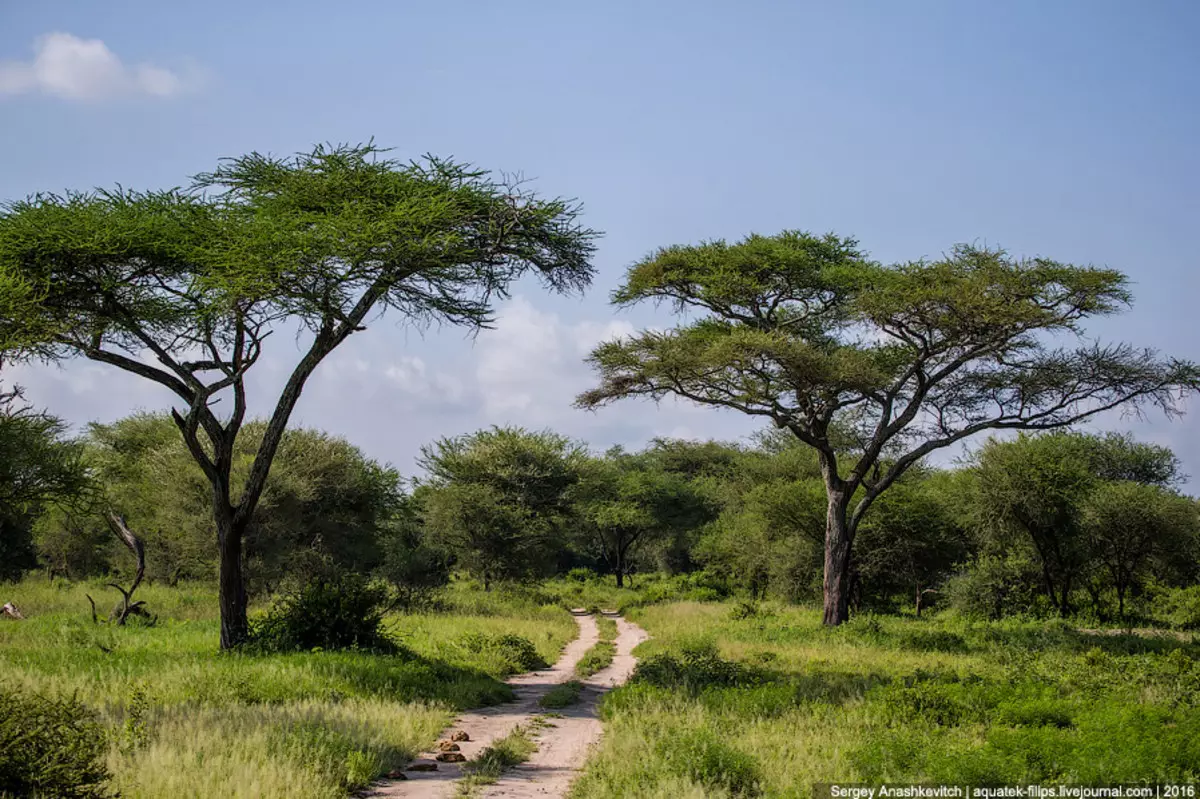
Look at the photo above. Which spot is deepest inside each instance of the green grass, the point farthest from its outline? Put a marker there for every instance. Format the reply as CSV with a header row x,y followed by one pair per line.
x,y
512,749
600,656
768,705
563,695
297,725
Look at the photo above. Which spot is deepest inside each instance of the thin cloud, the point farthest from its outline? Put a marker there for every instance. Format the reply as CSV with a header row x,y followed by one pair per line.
x,y
66,66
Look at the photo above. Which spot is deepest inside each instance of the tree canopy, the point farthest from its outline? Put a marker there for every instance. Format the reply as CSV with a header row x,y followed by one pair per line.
x,y
198,279
877,366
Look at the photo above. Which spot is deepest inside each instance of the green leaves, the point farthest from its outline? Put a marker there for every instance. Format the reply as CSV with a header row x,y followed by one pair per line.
x,y
805,331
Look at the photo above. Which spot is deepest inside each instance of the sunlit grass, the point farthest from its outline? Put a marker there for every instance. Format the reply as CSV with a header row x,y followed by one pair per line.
x,y
904,700
237,725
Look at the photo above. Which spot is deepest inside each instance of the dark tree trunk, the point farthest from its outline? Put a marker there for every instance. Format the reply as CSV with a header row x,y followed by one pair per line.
x,y
235,626
620,577
837,560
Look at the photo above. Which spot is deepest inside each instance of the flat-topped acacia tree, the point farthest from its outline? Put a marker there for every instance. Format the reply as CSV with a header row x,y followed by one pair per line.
x,y
877,366
182,287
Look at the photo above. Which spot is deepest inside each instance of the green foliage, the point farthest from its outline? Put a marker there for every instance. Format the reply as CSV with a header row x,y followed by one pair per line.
x,y
599,657
1180,607
333,612
39,466
408,562
875,367
628,503
324,498
323,241
51,748
704,757
563,695
697,666
518,652
509,751
498,501
1090,512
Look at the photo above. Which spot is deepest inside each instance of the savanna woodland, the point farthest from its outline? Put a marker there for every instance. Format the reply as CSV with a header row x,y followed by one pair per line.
x,y
206,603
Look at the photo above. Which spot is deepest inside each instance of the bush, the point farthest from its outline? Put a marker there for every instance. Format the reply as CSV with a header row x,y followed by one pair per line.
x,y
562,695
329,612
698,666
703,757
580,574
1180,608
596,659
51,748
517,650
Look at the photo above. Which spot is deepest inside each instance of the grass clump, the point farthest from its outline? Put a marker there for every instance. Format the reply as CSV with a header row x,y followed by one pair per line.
x,y
563,695
51,747
600,656
332,612
492,762
516,652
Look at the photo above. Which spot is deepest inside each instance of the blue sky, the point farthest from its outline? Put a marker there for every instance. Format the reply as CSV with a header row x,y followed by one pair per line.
x,y
1055,128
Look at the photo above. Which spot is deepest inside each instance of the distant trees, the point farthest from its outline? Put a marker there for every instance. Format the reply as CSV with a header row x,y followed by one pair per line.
x,y
39,465
627,502
499,501
1098,512
875,367
325,499
184,287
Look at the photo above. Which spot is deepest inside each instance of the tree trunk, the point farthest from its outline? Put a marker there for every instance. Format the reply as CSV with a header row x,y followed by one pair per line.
x,y
620,568
837,561
235,627
620,578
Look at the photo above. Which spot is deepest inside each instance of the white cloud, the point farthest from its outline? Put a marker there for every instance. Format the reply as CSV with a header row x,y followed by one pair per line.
x,y
413,377
530,368
72,68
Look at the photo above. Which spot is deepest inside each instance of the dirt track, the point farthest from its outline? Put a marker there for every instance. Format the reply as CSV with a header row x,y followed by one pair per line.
x,y
562,748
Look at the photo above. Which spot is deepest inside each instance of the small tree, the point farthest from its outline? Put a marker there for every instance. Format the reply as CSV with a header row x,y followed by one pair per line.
x,y
874,366
38,465
1061,493
629,501
197,281
498,501
1128,523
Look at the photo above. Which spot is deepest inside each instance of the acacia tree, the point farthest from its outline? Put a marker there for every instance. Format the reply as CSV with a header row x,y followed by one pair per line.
x,y
499,500
877,366
630,501
1128,523
182,288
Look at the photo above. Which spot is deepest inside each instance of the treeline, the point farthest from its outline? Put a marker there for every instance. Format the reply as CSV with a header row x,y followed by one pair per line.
x,y
1060,523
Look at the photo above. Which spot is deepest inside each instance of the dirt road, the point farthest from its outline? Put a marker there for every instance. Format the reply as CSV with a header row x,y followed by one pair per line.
x,y
561,749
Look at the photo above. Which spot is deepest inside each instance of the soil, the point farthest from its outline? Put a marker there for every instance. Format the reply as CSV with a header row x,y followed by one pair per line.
x,y
562,748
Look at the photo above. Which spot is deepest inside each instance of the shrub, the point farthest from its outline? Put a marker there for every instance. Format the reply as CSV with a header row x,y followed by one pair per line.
x,y
698,666
580,574
561,696
703,757
50,747
517,650
328,612
1180,608
599,657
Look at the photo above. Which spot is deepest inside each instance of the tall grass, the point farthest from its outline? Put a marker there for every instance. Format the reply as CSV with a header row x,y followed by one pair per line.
x,y
769,703
303,725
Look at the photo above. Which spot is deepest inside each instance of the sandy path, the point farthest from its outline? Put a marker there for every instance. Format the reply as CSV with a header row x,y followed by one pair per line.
x,y
563,748
487,725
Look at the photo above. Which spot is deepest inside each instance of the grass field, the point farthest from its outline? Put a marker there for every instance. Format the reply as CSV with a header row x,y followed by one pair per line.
x,y
186,720
731,699
766,702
